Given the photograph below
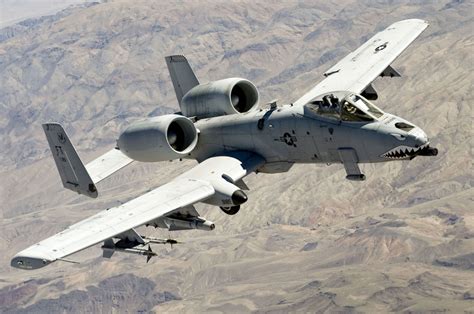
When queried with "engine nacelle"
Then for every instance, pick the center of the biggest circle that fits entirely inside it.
(223, 97)
(158, 139)
(226, 194)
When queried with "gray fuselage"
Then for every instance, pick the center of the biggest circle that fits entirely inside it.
(291, 134)
(339, 127)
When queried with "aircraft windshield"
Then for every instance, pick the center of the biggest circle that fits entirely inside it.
(366, 106)
(352, 113)
(352, 108)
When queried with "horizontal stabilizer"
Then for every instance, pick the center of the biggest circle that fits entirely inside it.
(107, 164)
(73, 173)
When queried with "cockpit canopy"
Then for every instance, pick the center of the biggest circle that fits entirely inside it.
(344, 106)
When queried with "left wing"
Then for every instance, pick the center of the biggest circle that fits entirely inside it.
(200, 183)
(361, 67)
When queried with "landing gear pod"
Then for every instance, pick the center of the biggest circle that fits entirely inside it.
(226, 195)
(238, 197)
(230, 210)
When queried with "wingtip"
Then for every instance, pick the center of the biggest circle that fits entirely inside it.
(416, 24)
(29, 262)
(420, 21)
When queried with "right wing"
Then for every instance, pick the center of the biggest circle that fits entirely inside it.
(202, 182)
(74, 175)
(361, 67)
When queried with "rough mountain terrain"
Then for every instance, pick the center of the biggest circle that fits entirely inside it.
(307, 240)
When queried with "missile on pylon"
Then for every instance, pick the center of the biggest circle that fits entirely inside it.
(109, 248)
(161, 241)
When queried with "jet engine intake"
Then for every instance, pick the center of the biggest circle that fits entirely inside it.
(158, 139)
(223, 97)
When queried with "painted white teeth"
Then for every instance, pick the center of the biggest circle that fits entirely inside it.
(402, 152)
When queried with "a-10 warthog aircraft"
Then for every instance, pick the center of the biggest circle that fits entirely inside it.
(222, 127)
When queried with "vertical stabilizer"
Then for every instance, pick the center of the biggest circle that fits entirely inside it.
(182, 75)
(71, 169)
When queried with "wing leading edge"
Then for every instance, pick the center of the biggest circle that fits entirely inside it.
(361, 67)
(198, 184)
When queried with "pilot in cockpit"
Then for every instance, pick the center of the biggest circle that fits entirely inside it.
(330, 103)
(346, 107)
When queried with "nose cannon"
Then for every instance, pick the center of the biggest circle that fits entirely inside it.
(421, 139)
(428, 151)
(409, 141)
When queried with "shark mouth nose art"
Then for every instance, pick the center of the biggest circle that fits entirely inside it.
(402, 152)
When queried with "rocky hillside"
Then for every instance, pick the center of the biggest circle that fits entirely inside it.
(307, 240)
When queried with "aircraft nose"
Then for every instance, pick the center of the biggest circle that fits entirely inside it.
(420, 137)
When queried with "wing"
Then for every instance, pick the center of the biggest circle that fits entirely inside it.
(361, 67)
(197, 184)
(74, 175)
(114, 221)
